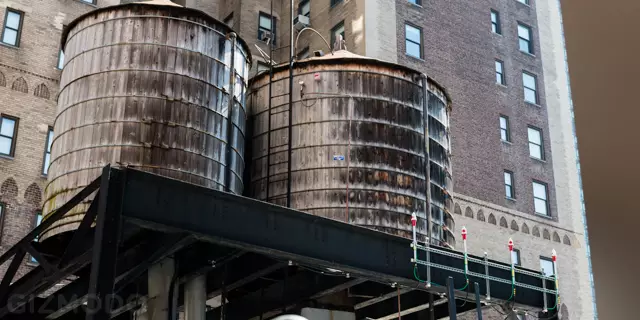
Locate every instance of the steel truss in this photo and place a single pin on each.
(265, 259)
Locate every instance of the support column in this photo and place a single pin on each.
(195, 295)
(157, 305)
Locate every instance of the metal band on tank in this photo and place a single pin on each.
(232, 80)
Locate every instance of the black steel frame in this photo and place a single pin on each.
(141, 218)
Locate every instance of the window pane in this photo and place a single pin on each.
(523, 32)
(503, 134)
(305, 9)
(7, 127)
(49, 140)
(413, 33)
(10, 36)
(547, 266)
(413, 49)
(507, 178)
(540, 206)
(13, 20)
(540, 191)
(507, 191)
(47, 159)
(265, 22)
(5, 145)
(534, 136)
(535, 151)
(503, 123)
(61, 60)
(529, 81)
(530, 95)
(494, 17)
(498, 66)
(524, 45)
(515, 257)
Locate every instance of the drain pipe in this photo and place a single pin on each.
(195, 296)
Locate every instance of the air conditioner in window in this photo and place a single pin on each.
(265, 36)
(300, 22)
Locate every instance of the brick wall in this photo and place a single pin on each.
(35, 63)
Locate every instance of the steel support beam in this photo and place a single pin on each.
(219, 217)
(105, 248)
(476, 287)
(453, 313)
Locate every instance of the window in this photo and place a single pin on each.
(524, 1)
(546, 265)
(530, 86)
(89, 1)
(418, 2)
(47, 152)
(267, 28)
(12, 27)
(304, 8)
(413, 41)
(38, 221)
(336, 31)
(536, 149)
(229, 20)
(505, 132)
(8, 130)
(495, 22)
(334, 2)
(540, 198)
(508, 185)
(515, 257)
(524, 38)
(500, 73)
(60, 59)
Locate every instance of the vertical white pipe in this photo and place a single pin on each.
(195, 298)
(160, 276)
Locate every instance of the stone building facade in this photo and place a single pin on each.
(457, 47)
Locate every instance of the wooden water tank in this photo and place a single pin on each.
(148, 86)
(359, 150)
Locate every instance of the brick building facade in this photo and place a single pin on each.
(457, 47)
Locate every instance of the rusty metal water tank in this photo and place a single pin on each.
(148, 86)
(358, 147)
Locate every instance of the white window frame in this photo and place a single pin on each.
(528, 89)
(525, 34)
(17, 30)
(495, 22)
(535, 147)
(47, 152)
(407, 40)
(550, 265)
(538, 199)
(500, 75)
(509, 189)
(505, 130)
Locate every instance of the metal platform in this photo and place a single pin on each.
(261, 258)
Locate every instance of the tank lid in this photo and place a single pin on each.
(159, 3)
(342, 56)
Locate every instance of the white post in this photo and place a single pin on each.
(195, 298)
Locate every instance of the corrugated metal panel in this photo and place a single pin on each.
(357, 145)
(147, 87)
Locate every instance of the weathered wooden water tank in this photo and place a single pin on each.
(148, 86)
(358, 147)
